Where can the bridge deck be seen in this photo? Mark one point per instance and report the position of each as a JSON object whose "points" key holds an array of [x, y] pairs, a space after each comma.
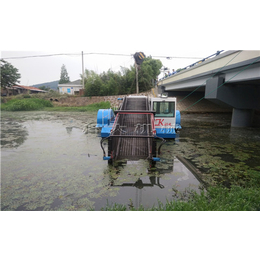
{"points": [[226, 63]]}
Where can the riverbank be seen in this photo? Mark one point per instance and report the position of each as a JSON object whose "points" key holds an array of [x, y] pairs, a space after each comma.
{"points": [[191, 104], [186, 105], [34, 104]]}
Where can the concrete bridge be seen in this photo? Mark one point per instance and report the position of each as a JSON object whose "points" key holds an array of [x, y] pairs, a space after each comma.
{"points": [[231, 79]]}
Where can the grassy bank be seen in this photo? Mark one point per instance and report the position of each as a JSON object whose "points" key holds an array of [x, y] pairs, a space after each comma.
{"points": [[243, 194], [26, 104], [31, 103], [215, 199]]}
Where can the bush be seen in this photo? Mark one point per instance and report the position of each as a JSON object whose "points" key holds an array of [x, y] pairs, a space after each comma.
{"points": [[26, 104], [26, 96], [218, 199]]}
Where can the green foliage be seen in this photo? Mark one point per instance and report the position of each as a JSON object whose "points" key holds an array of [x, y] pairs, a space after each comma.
{"points": [[219, 199], [124, 81], [93, 84], [114, 207], [26, 104], [149, 71], [64, 77], [100, 105], [215, 199], [26, 96], [9, 74], [93, 107]]}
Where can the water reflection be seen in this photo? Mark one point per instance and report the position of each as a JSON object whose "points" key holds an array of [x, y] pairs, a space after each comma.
{"points": [[138, 184], [69, 129], [13, 134]]}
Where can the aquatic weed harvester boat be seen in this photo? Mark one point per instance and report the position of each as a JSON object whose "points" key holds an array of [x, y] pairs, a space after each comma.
{"points": [[132, 130]]}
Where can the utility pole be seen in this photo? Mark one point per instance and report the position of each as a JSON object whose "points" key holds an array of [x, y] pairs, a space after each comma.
{"points": [[139, 58], [83, 70], [136, 73]]}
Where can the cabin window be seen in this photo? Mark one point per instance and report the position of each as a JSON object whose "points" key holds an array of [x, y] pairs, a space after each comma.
{"points": [[164, 109]]}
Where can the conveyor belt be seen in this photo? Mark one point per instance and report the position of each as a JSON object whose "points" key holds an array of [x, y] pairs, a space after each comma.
{"points": [[135, 103], [132, 135]]}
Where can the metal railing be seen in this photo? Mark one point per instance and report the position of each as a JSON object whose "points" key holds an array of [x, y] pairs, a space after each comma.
{"points": [[192, 65]]}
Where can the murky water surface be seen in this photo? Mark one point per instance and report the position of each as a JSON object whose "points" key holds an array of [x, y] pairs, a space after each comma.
{"points": [[53, 161]]}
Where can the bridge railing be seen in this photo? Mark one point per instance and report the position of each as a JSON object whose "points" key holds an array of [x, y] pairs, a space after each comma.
{"points": [[191, 65]]}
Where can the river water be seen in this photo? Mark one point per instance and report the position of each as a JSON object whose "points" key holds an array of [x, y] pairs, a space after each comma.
{"points": [[53, 161]]}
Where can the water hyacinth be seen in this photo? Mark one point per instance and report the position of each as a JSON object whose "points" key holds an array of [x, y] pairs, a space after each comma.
{"points": [[49, 162]]}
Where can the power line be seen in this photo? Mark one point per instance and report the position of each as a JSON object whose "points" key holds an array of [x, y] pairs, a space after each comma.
{"points": [[40, 56], [93, 53], [66, 54]]}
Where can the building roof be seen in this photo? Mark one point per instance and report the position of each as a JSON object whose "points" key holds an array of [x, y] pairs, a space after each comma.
{"points": [[76, 83], [28, 88]]}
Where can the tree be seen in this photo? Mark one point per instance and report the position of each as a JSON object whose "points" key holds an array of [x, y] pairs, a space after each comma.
{"points": [[155, 65], [64, 77], [93, 84], [149, 70], [122, 82], [128, 80], [111, 83], [9, 74]]}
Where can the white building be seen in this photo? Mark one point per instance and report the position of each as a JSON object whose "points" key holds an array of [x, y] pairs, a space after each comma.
{"points": [[71, 88]]}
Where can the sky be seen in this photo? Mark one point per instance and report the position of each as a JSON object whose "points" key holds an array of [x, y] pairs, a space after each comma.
{"points": [[117, 27], [36, 70]]}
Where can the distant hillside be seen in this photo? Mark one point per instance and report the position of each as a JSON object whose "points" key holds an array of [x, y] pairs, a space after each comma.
{"points": [[52, 85]]}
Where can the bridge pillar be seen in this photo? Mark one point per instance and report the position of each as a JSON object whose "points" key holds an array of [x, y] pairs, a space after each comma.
{"points": [[242, 117], [244, 98], [161, 89]]}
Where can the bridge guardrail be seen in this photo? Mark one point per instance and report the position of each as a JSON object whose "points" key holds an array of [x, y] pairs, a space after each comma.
{"points": [[191, 65]]}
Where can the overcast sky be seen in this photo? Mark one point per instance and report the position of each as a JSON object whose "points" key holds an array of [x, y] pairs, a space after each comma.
{"points": [[125, 27], [36, 70]]}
